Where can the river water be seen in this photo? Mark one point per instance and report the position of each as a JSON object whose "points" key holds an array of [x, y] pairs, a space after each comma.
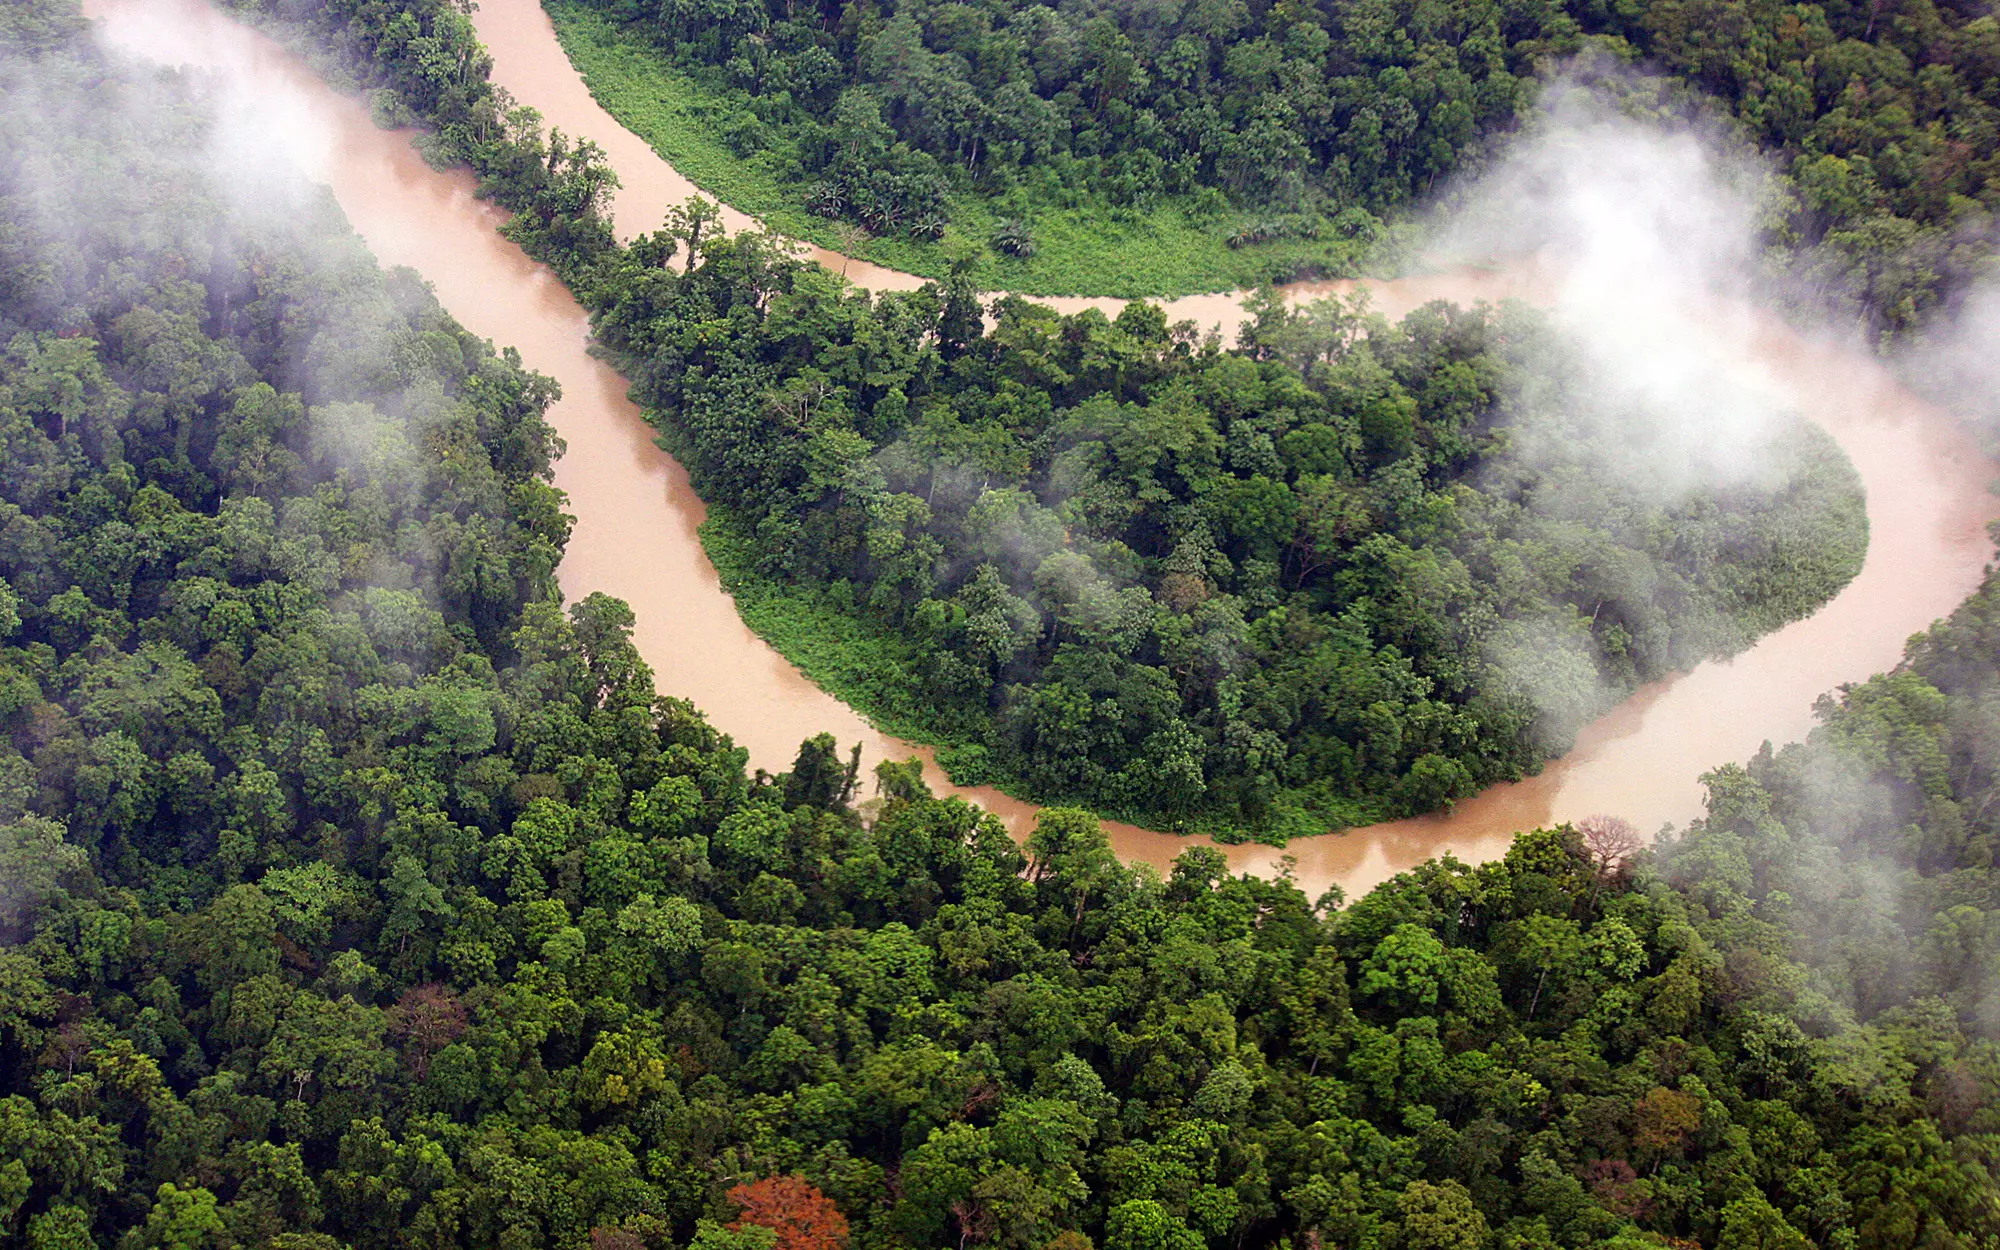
{"points": [[636, 515]]}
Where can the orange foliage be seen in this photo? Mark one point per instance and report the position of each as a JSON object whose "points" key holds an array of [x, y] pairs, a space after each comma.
{"points": [[802, 1216]]}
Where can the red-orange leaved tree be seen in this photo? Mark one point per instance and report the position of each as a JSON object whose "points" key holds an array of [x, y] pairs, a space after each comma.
{"points": [[802, 1216]]}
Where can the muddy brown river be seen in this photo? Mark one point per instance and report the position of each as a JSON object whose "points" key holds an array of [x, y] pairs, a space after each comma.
{"points": [[636, 515]]}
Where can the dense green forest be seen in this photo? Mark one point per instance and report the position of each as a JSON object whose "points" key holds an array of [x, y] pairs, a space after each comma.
{"points": [[1344, 572], [1347, 571], [1303, 583], [1288, 121], [353, 893]]}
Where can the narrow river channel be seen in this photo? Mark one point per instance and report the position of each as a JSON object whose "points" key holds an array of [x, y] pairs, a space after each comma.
{"points": [[635, 538]]}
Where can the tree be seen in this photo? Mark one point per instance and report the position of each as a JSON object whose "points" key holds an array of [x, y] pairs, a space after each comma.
{"points": [[1144, 1224], [61, 1227], [38, 863], [818, 778], [708, 1235], [1752, 1223], [183, 1219], [1071, 857], [1548, 944], [1664, 1120], [1318, 1007], [1609, 841], [1440, 1217], [802, 1217], [237, 938], [426, 1019], [1407, 967], [277, 1195]]}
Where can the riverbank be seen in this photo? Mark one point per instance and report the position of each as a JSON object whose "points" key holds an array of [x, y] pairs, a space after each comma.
{"points": [[1080, 249]]}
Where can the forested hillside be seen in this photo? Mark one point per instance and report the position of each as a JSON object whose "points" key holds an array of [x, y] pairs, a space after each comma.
{"points": [[354, 894]]}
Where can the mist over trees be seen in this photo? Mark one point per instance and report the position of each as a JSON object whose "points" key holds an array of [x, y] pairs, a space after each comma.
{"points": [[1264, 591], [1302, 583], [355, 893]]}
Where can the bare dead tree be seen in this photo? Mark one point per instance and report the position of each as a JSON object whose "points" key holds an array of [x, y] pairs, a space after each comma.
{"points": [[1609, 841], [976, 1224]]}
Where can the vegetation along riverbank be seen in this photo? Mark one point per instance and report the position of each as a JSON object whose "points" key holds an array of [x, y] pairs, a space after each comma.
{"points": [[1316, 581], [1211, 147]]}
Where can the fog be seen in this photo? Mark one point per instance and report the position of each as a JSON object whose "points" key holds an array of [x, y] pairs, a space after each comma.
{"points": [[1638, 396], [1644, 233], [1649, 238], [241, 163], [1956, 361]]}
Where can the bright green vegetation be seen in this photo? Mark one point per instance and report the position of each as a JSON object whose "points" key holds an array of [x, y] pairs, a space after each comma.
{"points": [[1346, 572], [353, 894], [1130, 145], [1088, 248]]}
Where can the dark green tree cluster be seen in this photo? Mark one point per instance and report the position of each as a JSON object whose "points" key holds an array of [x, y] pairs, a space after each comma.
{"points": [[1299, 583], [962, 1047], [1332, 111]]}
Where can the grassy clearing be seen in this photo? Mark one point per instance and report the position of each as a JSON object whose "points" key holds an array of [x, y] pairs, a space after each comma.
{"points": [[1082, 249]]}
